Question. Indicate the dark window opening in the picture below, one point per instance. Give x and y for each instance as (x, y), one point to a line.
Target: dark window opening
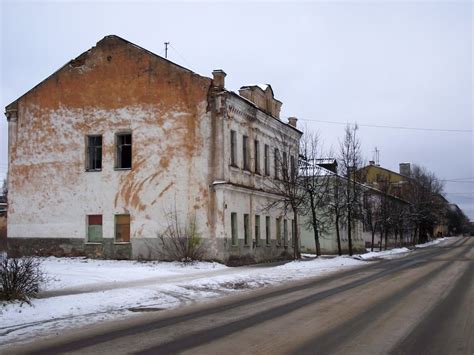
(124, 151)
(267, 160)
(257, 230)
(246, 229)
(94, 153)
(245, 152)
(233, 222)
(233, 148)
(257, 156)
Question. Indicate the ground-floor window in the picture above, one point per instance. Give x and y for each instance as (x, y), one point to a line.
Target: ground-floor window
(257, 230)
(233, 225)
(268, 235)
(94, 228)
(122, 228)
(278, 230)
(285, 232)
(246, 229)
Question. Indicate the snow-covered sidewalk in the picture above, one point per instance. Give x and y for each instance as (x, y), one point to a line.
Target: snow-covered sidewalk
(82, 291)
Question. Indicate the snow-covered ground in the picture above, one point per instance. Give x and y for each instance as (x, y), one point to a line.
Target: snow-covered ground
(81, 291)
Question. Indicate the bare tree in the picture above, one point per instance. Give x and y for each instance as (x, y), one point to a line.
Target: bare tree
(314, 181)
(370, 214)
(428, 205)
(286, 184)
(335, 205)
(350, 161)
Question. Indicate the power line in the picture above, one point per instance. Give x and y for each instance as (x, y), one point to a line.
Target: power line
(393, 127)
(184, 59)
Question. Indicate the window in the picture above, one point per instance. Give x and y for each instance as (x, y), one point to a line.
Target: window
(285, 166)
(267, 159)
(245, 152)
(293, 232)
(94, 228)
(257, 230)
(285, 232)
(246, 229)
(292, 168)
(278, 230)
(124, 151)
(233, 148)
(276, 162)
(233, 222)
(122, 228)
(94, 153)
(268, 235)
(256, 153)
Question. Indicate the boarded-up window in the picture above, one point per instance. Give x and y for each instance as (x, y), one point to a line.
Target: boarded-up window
(233, 223)
(257, 230)
(246, 229)
(122, 228)
(267, 230)
(94, 228)
(124, 151)
(94, 153)
(233, 148)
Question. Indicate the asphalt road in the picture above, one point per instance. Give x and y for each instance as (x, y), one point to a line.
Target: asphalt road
(420, 304)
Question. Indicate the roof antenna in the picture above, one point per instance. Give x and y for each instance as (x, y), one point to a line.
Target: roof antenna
(376, 156)
(166, 49)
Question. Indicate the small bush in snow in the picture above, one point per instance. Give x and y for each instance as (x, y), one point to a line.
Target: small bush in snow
(181, 241)
(20, 278)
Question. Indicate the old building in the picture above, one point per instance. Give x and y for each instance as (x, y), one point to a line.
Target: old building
(107, 147)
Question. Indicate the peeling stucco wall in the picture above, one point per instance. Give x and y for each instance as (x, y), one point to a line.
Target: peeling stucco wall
(113, 87)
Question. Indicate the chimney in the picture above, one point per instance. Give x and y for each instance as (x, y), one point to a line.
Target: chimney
(218, 80)
(405, 169)
(292, 121)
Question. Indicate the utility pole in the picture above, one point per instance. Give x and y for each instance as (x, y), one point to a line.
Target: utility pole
(166, 49)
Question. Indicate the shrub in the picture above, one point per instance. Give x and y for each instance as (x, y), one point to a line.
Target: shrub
(20, 278)
(181, 241)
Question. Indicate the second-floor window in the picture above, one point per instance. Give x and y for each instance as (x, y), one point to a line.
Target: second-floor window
(292, 168)
(94, 153)
(267, 159)
(233, 148)
(276, 161)
(284, 164)
(245, 152)
(256, 154)
(124, 151)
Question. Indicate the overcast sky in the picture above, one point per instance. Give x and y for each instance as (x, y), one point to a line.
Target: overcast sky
(401, 63)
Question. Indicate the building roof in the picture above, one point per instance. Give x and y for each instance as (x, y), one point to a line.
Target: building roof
(12, 104)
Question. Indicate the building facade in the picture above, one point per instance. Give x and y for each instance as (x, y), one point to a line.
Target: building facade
(103, 151)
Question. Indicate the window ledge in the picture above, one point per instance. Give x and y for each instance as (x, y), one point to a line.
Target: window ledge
(93, 243)
(121, 169)
(121, 243)
(93, 170)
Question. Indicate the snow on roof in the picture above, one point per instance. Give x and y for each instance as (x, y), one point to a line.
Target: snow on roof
(263, 86)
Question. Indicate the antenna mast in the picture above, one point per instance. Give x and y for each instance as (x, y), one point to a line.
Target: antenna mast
(377, 156)
(166, 49)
